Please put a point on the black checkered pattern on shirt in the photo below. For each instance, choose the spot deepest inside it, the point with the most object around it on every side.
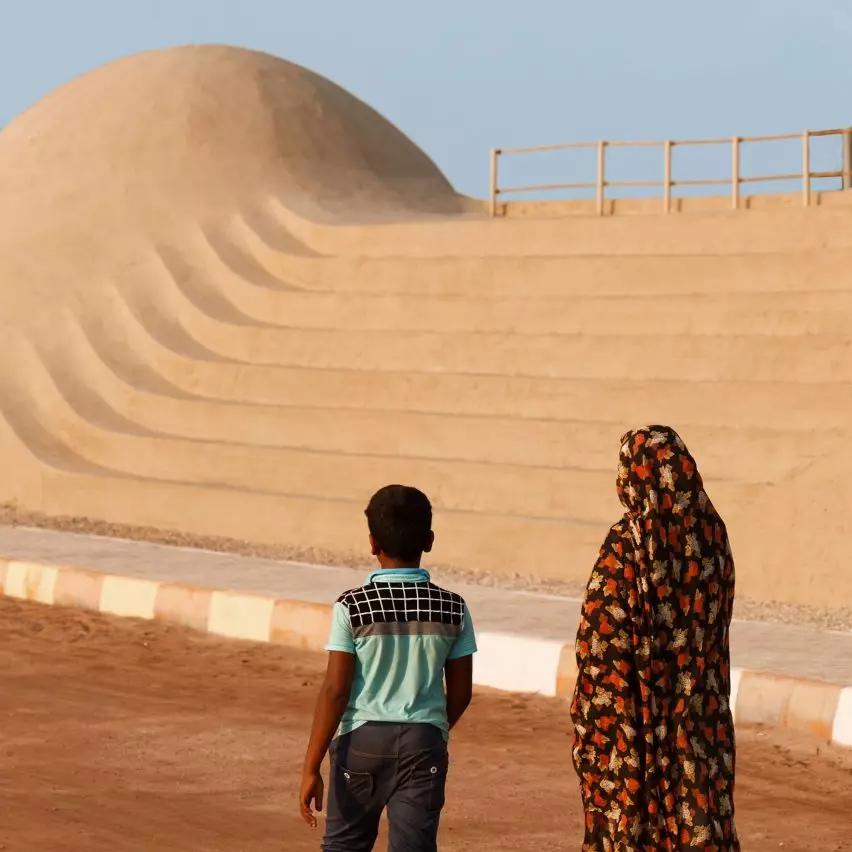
(387, 603)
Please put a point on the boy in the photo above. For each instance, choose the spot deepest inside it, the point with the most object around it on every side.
(393, 643)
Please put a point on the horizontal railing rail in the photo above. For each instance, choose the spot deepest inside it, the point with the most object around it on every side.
(736, 181)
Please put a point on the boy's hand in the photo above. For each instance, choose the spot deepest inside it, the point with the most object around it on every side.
(332, 701)
(311, 793)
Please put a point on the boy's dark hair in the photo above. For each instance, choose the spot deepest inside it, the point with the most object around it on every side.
(400, 521)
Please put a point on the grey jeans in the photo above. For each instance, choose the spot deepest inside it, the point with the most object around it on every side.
(399, 767)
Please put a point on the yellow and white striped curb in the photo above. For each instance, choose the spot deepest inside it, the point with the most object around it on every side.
(505, 661)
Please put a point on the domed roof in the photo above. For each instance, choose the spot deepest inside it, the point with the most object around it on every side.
(124, 154)
(213, 121)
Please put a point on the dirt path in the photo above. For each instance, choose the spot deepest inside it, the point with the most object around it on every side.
(119, 736)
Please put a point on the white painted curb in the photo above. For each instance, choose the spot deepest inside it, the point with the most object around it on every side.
(841, 732)
(517, 663)
(505, 661)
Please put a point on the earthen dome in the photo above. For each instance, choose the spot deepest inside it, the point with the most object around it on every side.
(127, 152)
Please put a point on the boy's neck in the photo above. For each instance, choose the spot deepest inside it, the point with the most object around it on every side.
(388, 563)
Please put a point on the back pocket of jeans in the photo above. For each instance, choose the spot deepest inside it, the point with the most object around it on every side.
(429, 783)
(354, 787)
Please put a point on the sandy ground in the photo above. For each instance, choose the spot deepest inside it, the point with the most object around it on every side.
(120, 735)
(836, 618)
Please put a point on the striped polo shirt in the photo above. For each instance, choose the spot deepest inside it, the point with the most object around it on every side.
(402, 629)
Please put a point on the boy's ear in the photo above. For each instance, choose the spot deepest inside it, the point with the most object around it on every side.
(430, 540)
(375, 550)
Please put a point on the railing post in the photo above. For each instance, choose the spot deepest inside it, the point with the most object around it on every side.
(847, 158)
(495, 153)
(735, 172)
(601, 182)
(667, 179)
(806, 168)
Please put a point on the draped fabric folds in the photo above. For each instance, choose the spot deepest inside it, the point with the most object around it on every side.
(654, 739)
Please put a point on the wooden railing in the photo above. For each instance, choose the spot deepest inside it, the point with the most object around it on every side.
(735, 182)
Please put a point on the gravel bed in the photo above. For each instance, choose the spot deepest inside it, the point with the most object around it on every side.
(839, 618)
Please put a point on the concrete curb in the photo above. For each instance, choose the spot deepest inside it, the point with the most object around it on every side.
(505, 661)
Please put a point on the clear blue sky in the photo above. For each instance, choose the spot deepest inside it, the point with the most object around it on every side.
(462, 76)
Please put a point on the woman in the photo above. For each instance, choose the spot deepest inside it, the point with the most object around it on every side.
(654, 738)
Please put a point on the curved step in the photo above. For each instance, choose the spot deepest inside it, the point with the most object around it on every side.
(58, 486)
(798, 359)
(266, 242)
(727, 452)
(132, 354)
(454, 485)
(534, 492)
(499, 545)
(673, 272)
(752, 314)
(26, 446)
(795, 229)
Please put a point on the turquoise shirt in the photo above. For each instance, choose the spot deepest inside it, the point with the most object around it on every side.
(402, 630)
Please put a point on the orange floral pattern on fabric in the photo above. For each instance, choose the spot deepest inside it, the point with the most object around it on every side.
(654, 738)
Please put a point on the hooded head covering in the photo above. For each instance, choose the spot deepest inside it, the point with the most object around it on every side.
(654, 740)
(657, 473)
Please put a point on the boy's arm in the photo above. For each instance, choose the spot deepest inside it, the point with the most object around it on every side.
(331, 704)
(458, 672)
(332, 701)
(459, 676)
